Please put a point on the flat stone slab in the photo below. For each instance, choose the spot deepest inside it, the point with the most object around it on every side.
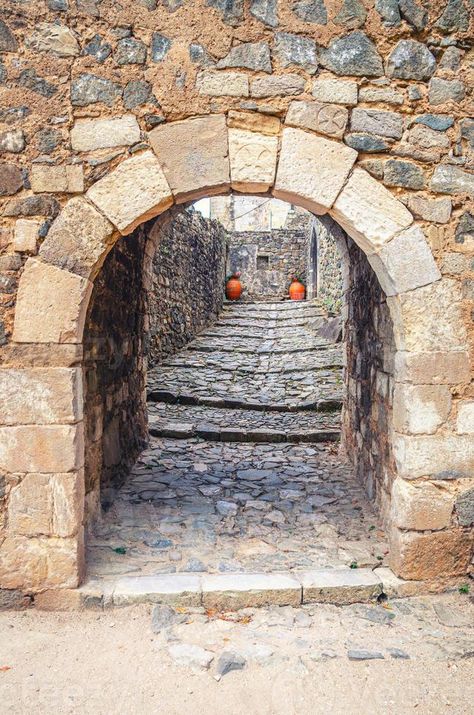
(229, 592)
(340, 586)
(180, 589)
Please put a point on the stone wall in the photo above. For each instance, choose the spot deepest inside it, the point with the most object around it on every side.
(329, 264)
(187, 277)
(115, 372)
(368, 374)
(267, 260)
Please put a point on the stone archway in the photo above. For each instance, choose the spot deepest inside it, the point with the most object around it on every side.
(42, 435)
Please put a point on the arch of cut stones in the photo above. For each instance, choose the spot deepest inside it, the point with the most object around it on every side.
(42, 423)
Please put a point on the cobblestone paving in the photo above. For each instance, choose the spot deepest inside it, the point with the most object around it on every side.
(267, 490)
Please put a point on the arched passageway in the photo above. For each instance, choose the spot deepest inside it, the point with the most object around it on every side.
(430, 462)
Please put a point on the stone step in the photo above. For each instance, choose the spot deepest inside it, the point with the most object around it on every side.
(226, 591)
(173, 397)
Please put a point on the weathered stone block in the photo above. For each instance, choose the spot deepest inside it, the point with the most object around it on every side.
(327, 119)
(277, 86)
(26, 235)
(436, 368)
(335, 91)
(405, 263)
(380, 94)
(11, 179)
(403, 173)
(41, 396)
(465, 419)
(311, 170)
(249, 55)
(223, 84)
(54, 38)
(420, 409)
(68, 179)
(441, 328)
(33, 564)
(194, 156)
(430, 455)
(12, 142)
(354, 55)
(339, 586)
(229, 592)
(79, 239)
(253, 159)
(47, 504)
(436, 210)
(51, 305)
(132, 193)
(449, 179)
(42, 448)
(434, 555)
(375, 121)
(175, 589)
(465, 507)
(445, 90)
(293, 49)
(410, 59)
(91, 134)
(368, 212)
(421, 505)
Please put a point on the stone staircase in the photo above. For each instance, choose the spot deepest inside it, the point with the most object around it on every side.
(261, 373)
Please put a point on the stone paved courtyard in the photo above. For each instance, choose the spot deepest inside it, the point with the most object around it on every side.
(256, 487)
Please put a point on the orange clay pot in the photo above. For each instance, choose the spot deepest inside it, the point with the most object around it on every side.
(233, 289)
(297, 291)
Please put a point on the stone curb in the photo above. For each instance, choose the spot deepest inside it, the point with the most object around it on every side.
(183, 399)
(184, 430)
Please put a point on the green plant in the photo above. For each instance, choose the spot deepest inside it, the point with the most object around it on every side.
(464, 588)
(354, 565)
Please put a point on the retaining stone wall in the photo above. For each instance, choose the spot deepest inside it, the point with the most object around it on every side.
(329, 267)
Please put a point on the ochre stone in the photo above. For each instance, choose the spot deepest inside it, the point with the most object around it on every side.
(253, 159)
(254, 122)
(42, 448)
(311, 170)
(132, 193)
(51, 305)
(194, 156)
(421, 505)
(67, 179)
(420, 409)
(440, 554)
(436, 368)
(41, 396)
(79, 239)
(26, 235)
(427, 455)
(91, 134)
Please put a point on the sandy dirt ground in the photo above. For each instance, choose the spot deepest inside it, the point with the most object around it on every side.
(113, 662)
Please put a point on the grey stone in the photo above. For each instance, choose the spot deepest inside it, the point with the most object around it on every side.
(451, 59)
(311, 11)
(465, 508)
(436, 210)
(250, 55)
(283, 85)
(445, 90)
(230, 660)
(410, 60)
(376, 614)
(11, 599)
(29, 79)
(136, 93)
(98, 48)
(12, 141)
(403, 173)
(88, 7)
(226, 508)
(195, 566)
(191, 656)
(414, 93)
(454, 18)
(232, 10)
(58, 5)
(296, 50)
(162, 617)
(130, 51)
(449, 179)
(378, 122)
(450, 616)
(39, 205)
(48, 139)
(389, 11)
(11, 180)
(3, 73)
(439, 122)
(90, 89)
(365, 655)
(415, 15)
(8, 42)
(354, 55)
(465, 228)
(160, 46)
(265, 11)
(467, 131)
(381, 94)
(398, 653)
(200, 56)
(366, 142)
(173, 5)
(352, 14)
(373, 166)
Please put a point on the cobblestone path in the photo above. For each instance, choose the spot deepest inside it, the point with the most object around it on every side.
(242, 472)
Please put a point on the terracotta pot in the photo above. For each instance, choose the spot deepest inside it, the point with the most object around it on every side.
(297, 290)
(233, 289)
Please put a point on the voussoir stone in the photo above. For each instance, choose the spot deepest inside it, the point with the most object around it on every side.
(353, 55)
(79, 239)
(405, 263)
(42, 448)
(51, 305)
(132, 193)
(410, 59)
(253, 159)
(330, 119)
(91, 134)
(441, 328)
(311, 170)
(194, 156)
(368, 212)
(40, 396)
